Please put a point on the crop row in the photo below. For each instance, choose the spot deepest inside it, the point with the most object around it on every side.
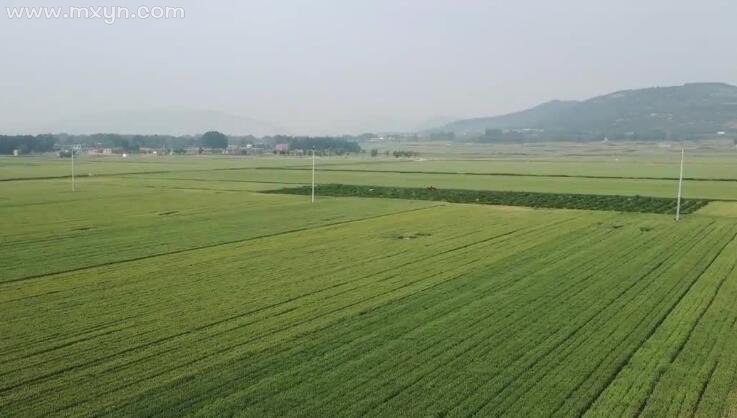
(543, 344)
(643, 204)
(263, 302)
(687, 366)
(542, 329)
(446, 310)
(100, 226)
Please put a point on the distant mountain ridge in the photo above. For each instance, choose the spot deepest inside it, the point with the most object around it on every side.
(687, 111)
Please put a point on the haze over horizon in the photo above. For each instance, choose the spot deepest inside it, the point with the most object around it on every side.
(331, 67)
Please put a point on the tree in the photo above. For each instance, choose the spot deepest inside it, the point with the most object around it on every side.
(26, 143)
(214, 139)
(406, 154)
(322, 145)
(374, 152)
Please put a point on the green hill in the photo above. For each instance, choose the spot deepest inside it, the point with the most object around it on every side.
(694, 110)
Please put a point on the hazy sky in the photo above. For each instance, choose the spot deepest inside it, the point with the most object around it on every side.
(334, 66)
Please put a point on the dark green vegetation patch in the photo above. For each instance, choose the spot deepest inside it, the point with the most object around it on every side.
(616, 203)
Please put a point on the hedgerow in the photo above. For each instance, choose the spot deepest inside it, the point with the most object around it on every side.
(643, 204)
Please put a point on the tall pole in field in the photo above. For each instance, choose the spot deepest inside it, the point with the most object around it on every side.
(313, 175)
(73, 180)
(680, 188)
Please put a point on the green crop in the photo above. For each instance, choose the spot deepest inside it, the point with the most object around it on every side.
(183, 290)
(642, 204)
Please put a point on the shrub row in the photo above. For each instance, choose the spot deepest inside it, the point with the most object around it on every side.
(617, 203)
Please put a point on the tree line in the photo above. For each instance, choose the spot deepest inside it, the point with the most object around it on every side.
(322, 144)
(26, 144)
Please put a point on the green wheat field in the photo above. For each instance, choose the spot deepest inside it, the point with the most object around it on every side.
(171, 286)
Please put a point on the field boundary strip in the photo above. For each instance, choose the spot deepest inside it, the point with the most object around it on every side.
(359, 170)
(616, 203)
(201, 170)
(501, 174)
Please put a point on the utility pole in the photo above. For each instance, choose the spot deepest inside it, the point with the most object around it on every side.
(73, 180)
(313, 175)
(680, 187)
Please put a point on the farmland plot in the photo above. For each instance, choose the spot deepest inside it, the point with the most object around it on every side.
(706, 189)
(202, 301)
